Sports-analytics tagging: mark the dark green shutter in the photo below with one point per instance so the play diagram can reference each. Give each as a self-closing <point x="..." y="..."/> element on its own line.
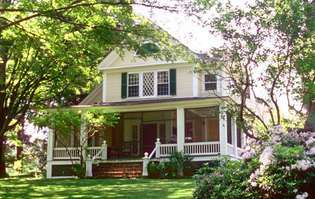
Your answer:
<point x="173" y="81"/>
<point x="123" y="85"/>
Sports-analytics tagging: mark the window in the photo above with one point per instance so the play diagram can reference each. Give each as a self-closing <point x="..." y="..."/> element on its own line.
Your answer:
<point x="163" y="83"/>
<point x="133" y="85"/>
<point x="210" y="82"/>
<point x="148" y="84"/>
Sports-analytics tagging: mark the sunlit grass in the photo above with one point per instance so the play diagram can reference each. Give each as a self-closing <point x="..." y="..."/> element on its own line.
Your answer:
<point x="96" y="188"/>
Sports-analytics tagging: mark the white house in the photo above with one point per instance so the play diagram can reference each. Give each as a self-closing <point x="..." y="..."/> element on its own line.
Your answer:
<point x="163" y="107"/>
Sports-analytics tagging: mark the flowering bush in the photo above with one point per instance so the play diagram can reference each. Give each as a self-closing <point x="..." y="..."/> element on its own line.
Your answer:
<point x="283" y="166"/>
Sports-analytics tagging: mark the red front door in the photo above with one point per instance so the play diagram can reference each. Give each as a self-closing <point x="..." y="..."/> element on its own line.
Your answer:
<point x="149" y="137"/>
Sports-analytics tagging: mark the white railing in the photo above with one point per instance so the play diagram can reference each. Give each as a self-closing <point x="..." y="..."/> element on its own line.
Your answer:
<point x="167" y="149"/>
<point x="202" y="148"/>
<point x="66" y="153"/>
<point x="93" y="151"/>
<point x="96" y="152"/>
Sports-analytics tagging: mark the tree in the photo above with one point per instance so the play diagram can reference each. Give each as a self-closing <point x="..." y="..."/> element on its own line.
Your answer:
<point x="49" y="51"/>
<point x="261" y="57"/>
<point x="66" y="122"/>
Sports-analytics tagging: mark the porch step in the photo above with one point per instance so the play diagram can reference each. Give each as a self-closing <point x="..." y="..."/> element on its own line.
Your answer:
<point x="117" y="170"/>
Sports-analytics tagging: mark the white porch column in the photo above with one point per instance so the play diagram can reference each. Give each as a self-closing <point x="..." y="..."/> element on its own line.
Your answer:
<point x="83" y="138"/>
<point x="234" y="131"/>
<point x="180" y="129"/>
<point x="223" y="130"/>
<point x="104" y="90"/>
<point x="50" y="150"/>
<point x="195" y="84"/>
<point x="157" y="148"/>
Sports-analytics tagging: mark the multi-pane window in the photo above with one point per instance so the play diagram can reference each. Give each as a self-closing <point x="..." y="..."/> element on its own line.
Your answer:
<point x="133" y="85"/>
<point x="148" y="84"/>
<point x="163" y="83"/>
<point x="210" y="82"/>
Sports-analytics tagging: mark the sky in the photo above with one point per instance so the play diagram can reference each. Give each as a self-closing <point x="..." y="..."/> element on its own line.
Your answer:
<point x="186" y="29"/>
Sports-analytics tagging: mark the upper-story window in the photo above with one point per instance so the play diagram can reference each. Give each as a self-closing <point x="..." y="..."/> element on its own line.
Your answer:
<point x="210" y="82"/>
<point x="149" y="84"/>
<point x="163" y="83"/>
<point x="133" y="85"/>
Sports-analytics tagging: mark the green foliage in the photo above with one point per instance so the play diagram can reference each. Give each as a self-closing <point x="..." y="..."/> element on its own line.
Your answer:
<point x="162" y="170"/>
<point x="65" y="121"/>
<point x="229" y="179"/>
<point x="283" y="168"/>
<point x="181" y="161"/>
<point x="173" y="168"/>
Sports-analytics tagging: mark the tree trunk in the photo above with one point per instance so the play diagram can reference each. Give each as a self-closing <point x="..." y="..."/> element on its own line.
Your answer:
<point x="2" y="160"/>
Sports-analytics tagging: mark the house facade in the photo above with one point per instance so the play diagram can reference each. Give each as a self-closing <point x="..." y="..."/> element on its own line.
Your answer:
<point x="163" y="107"/>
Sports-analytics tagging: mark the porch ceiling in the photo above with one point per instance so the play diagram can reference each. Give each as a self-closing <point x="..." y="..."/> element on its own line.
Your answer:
<point x="154" y="104"/>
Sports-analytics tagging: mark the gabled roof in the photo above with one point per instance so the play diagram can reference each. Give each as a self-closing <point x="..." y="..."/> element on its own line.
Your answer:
<point x="94" y="97"/>
<point x="129" y="59"/>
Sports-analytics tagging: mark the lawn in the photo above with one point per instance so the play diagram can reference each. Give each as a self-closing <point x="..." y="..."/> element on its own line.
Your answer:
<point x="96" y="188"/>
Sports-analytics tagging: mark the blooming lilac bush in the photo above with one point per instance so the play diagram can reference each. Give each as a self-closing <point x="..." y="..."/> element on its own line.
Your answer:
<point x="282" y="166"/>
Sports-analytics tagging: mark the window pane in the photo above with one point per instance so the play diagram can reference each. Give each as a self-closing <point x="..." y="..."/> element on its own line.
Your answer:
<point x="162" y="77"/>
<point x="163" y="89"/>
<point x="210" y="86"/>
<point x="133" y="91"/>
<point x="133" y="79"/>
<point x="148" y="84"/>
<point x="210" y="78"/>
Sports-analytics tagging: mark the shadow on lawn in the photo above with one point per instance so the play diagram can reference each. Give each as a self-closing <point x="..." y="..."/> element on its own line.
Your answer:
<point x="96" y="188"/>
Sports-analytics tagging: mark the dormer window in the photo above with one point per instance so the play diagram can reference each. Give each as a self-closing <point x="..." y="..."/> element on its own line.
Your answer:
<point x="210" y="82"/>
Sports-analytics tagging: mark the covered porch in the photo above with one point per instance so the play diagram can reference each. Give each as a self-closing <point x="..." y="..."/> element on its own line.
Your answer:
<point x="200" y="132"/>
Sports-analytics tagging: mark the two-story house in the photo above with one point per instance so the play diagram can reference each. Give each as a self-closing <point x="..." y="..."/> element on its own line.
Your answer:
<point x="163" y="106"/>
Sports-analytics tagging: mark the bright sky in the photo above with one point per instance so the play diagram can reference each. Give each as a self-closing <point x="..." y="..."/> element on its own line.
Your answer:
<point x="186" y="29"/>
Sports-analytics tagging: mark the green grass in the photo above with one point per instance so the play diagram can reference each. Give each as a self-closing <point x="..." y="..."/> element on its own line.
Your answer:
<point x="96" y="188"/>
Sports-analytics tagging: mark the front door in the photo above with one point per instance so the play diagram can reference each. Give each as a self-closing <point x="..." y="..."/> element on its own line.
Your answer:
<point x="149" y="137"/>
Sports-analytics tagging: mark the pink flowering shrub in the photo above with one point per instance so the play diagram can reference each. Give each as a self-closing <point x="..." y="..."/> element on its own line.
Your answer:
<point x="287" y="165"/>
<point x="282" y="166"/>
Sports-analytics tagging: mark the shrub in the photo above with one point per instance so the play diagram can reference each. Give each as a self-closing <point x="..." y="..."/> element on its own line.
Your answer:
<point x="281" y="167"/>
<point x="229" y="179"/>
<point x="173" y="168"/>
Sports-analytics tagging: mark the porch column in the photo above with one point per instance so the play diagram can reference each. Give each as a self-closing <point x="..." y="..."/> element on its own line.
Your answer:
<point x="234" y="130"/>
<point x="50" y="150"/>
<point x="83" y="138"/>
<point x="104" y="90"/>
<point x="180" y="129"/>
<point x="195" y="84"/>
<point x="223" y="130"/>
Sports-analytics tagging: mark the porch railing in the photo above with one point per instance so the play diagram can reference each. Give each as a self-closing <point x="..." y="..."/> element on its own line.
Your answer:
<point x="93" y="151"/>
<point x="202" y="148"/>
<point x="167" y="149"/>
<point x="66" y="153"/>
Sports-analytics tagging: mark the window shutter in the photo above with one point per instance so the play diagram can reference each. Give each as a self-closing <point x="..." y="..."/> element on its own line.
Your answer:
<point x="123" y="85"/>
<point x="173" y="81"/>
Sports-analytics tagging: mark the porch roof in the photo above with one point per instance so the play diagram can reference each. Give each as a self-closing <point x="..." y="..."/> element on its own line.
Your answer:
<point x="154" y="104"/>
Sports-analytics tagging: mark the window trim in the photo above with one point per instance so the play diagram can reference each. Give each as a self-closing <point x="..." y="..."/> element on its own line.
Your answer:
<point x="140" y="85"/>
<point x="210" y="82"/>
<point x="133" y="85"/>
<point x="168" y="83"/>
